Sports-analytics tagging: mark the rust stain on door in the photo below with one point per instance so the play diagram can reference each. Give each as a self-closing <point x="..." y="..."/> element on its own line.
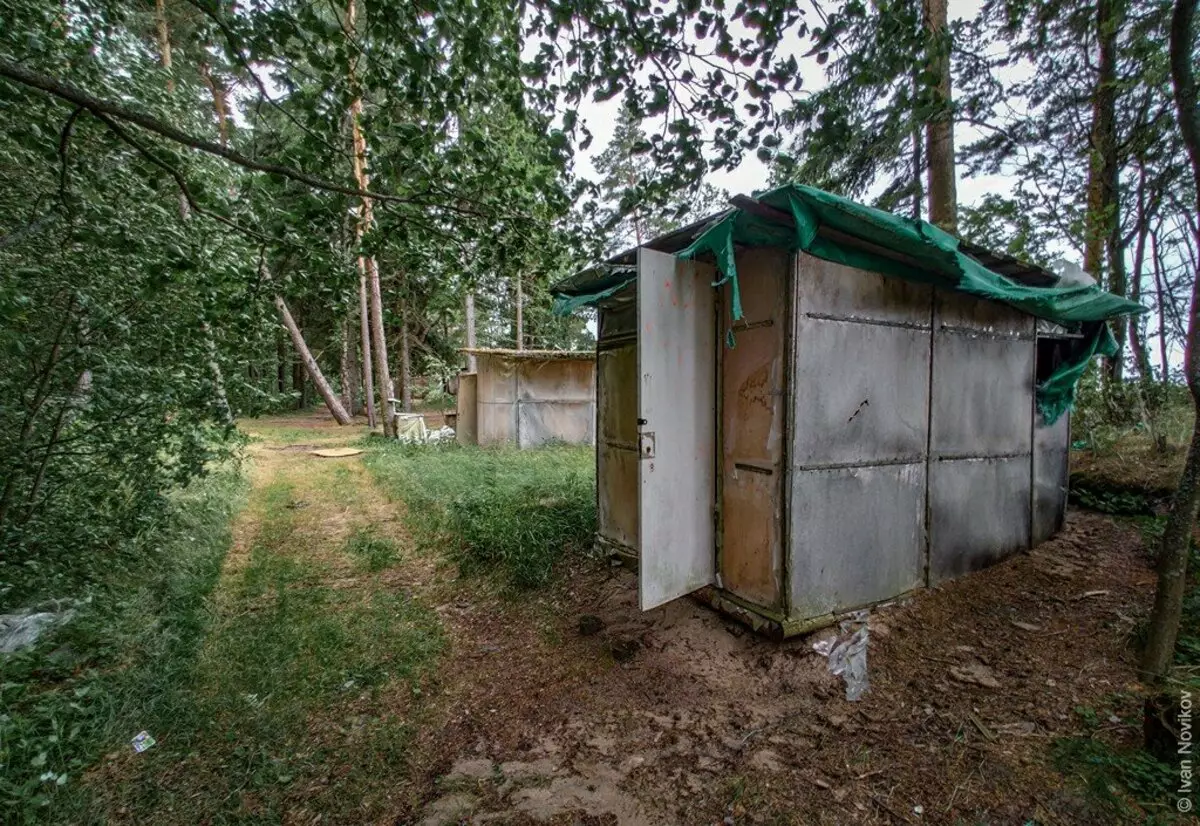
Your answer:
<point x="752" y="392"/>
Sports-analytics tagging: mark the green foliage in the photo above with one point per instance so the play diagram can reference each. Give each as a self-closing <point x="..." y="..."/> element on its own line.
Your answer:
<point x="1123" y="786"/>
<point x="515" y="511"/>
<point x="122" y="664"/>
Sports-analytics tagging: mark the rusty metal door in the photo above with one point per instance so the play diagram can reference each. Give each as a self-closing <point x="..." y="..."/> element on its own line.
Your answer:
<point x="676" y="353"/>
<point x="752" y="388"/>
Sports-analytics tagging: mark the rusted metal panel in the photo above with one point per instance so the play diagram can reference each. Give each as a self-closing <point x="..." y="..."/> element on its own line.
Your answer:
<point x="861" y="393"/>
<point x="676" y="349"/>
<point x="466" y="429"/>
<point x="617" y="494"/>
<point x="829" y="289"/>
<point x="859" y="536"/>
<point x="616" y="450"/>
<point x="982" y="395"/>
<point x="978" y="513"/>
<point x="1051" y="458"/>
<point x="753" y="385"/>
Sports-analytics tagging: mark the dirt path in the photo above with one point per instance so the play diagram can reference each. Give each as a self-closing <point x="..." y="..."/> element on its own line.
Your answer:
<point x="449" y="702"/>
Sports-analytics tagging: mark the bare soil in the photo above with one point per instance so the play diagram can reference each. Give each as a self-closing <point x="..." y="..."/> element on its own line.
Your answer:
<point x="681" y="716"/>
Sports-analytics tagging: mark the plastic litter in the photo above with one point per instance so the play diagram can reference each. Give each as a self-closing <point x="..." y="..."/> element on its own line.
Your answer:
<point x="142" y="741"/>
<point x="21" y="630"/>
<point x="847" y="654"/>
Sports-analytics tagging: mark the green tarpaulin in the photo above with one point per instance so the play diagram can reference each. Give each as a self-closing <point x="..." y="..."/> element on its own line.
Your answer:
<point x="843" y="231"/>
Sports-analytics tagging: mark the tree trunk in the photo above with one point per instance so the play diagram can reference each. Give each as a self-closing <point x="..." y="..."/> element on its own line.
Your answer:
<point x="470" y="314"/>
<point x="214" y="367"/>
<point x="374" y="293"/>
<point x="405" y="362"/>
<point x="280" y="363"/>
<point x="918" y="158"/>
<point x="349" y="372"/>
<point x="1161" y="299"/>
<point x="298" y="383"/>
<point x="164" y="41"/>
<point x="364" y="325"/>
<point x="1102" y="224"/>
<point x="939" y="128"/>
<point x="1137" y="343"/>
<point x="520" y="314"/>
<point x="310" y="364"/>
<point x="1176" y="540"/>
<point x="220" y="99"/>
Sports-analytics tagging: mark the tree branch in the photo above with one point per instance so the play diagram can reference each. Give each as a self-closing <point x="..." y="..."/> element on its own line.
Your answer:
<point x="52" y="86"/>
<point x="180" y="181"/>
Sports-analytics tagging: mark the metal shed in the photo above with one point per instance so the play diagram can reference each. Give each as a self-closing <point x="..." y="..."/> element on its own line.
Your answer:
<point x="527" y="398"/>
<point x="816" y="413"/>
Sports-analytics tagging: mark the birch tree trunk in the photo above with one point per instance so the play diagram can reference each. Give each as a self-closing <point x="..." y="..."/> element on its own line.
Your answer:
<point x="310" y="364"/>
<point x="939" y="129"/>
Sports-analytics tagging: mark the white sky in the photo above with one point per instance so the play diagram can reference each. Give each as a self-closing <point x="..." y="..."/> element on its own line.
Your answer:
<point x="752" y="174"/>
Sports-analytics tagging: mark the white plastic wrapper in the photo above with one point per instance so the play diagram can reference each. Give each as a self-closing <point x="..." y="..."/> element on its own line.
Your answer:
<point x="847" y="654"/>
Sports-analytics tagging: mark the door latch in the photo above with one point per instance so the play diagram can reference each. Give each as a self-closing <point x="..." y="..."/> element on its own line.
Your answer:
<point x="646" y="445"/>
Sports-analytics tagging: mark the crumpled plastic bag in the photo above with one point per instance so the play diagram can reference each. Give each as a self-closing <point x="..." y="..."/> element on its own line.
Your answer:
<point x="847" y="654"/>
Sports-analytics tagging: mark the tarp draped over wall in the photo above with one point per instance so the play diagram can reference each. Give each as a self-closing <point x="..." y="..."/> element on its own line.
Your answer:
<point x="935" y="259"/>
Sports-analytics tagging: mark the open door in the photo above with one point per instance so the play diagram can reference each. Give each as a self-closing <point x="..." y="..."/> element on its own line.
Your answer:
<point x="676" y="354"/>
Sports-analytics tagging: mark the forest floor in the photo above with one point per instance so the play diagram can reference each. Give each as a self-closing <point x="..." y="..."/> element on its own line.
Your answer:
<point x="348" y="677"/>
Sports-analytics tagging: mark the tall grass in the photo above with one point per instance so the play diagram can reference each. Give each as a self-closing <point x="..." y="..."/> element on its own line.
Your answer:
<point x="495" y="509"/>
<point x="121" y="665"/>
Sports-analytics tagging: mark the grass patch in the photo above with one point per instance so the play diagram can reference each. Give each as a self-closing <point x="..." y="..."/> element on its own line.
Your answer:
<point x="373" y="553"/>
<point x="497" y="509"/>
<point x="299" y="704"/>
<point x="121" y="665"/>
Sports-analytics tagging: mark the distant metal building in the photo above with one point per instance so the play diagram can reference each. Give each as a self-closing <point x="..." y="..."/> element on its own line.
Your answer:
<point x="830" y="420"/>
<point x="527" y="398"/>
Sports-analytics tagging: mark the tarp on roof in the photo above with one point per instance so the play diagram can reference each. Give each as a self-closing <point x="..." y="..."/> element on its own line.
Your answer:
<point x="871" y="239"/>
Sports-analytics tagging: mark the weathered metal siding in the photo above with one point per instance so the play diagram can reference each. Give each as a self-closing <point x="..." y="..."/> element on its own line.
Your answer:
<point x="676" y="348"/>
<point x="466" y="429"/>
<point x="752" y="387"/>
<point x="533" y="401"/>
<point x="616" y="449"/>
<point x="981" y="434"/>
<point x="496" y="391"/>
<point x="556" y="401"/>
<point x="1051" y="448"/>
<point x="859" y="437"/>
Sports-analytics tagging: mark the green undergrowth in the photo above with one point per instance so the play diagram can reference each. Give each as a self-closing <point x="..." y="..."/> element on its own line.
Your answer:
<point x="1120" y="783"/>
<point x="300" y="702"/>
<point x="513" y="511"/>
<point x="120" y="665"/>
